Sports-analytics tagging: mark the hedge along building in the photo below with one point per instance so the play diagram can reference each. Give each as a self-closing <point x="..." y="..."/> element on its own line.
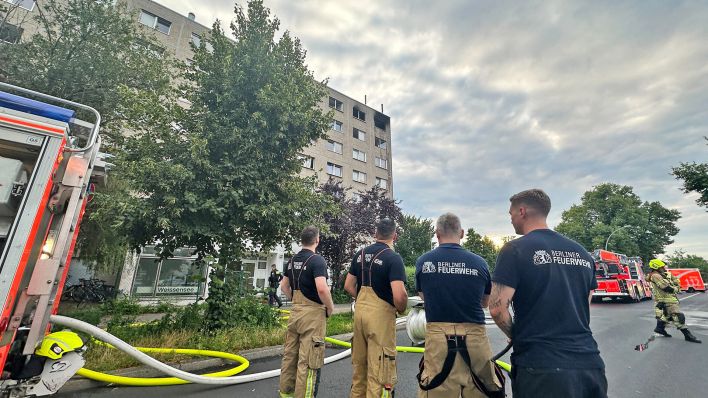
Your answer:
<point x="356" y="151"/>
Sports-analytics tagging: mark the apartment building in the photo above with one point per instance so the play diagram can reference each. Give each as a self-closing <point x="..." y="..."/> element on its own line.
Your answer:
<point x="357" y="152"/>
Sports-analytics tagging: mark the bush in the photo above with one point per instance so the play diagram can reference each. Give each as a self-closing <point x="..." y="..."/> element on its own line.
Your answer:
<point x="410" y="281"/>
<point x="339" y="296"/>
<point x="225" y="309"/>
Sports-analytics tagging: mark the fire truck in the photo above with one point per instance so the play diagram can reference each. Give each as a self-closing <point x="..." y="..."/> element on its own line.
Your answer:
<point x="49" y="165"/>
<point x="619" y="277"/>
<point x="690" y="278"/>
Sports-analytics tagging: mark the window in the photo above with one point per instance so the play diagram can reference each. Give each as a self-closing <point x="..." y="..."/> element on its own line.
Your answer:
<point x="196" y="40"/>
<point x="10" y="33"/>
<point x="337" y="125"/>
<point x="359" y="155"/>
<point x="334" y="146"/>
<point x="359" y="135"/>
<point x="155" y="22"/>
<point x="359" y="114"/>
<point x="334" y="169"/>
<point x="380" y="142"/>
<point x="383" y="163"/>
<point x="308" y="162"/>
<point x="26" y="4"/>
<point x="262" y="265"/>
<point x="260" y="283"/>
<point x="358" y="176"/>
<point x="381" y="183"/>
<point x="336" y="104"/>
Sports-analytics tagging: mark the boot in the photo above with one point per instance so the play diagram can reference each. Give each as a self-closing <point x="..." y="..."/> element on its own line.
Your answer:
<point x="661" y="328"/>
<point x="689" y="336"/>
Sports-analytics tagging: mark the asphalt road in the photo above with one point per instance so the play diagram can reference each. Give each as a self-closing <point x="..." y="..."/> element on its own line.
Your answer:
<point x="670" y="367"/>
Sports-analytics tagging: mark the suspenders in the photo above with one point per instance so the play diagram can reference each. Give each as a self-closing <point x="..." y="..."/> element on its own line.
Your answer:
<point x="296" y="281"/>
<point x="370" y="263"/>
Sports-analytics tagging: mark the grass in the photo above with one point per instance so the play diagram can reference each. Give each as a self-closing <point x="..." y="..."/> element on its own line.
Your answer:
<point x="102" y="358"/>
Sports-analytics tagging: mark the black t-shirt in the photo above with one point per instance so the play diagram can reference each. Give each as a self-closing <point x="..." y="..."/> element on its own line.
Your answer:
<point x="303" y="279"/>
<point x="274" y="279"/>
<point x="453" y="281"/>
<point x="553" y="277"/>
<point x="387" y="267"/>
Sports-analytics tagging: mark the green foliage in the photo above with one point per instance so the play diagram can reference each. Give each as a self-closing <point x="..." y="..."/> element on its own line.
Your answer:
<point x="414" y="238"/>
<point x="223" y="172"/>
<point x="679" y="259"/>
<point x="340" y="323"/>
<point x="410" y="281"/>
<point x="339" y="296"/>
<point x="608" y="207"/>
<point x="92" y="52"/>
<point x="482" y="246"/>
<point x="228" y="307"/>
<point x="695" y="179"/>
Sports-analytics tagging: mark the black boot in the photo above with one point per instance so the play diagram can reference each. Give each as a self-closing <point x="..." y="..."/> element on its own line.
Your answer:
<point x="689" y="336"/>
<point x="661" y="328"/>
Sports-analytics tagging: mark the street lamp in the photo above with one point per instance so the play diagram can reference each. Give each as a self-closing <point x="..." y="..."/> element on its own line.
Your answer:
<point x="612" y="233"/>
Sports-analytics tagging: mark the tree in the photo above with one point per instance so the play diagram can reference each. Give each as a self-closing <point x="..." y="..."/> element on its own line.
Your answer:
<point x="352" y="225"/>
<point x="638" y="228"/>
<point x="414" y="239"/>
<point x="695" y="179"/>
<point x="482" y="246"/>
<point x="221" y="176"/>
<point x="679" y="259"/>
<point x="91" y="52"/>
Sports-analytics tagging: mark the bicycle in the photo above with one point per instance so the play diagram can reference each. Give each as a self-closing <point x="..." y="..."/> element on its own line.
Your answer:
<point x="88" y="290"/>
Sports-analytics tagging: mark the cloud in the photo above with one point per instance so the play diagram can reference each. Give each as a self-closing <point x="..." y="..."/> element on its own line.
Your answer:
<point x="488" y="98"/>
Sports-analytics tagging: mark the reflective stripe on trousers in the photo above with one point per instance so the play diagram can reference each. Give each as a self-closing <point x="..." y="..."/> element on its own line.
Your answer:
<point x="303" y="351"/>
<point x="373" y="346"/>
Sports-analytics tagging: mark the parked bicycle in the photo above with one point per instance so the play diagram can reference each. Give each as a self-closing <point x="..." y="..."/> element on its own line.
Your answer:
<point x="88" y="290"/>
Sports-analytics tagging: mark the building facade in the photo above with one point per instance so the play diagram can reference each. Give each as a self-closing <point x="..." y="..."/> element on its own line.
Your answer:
<point x="356" y="151"/>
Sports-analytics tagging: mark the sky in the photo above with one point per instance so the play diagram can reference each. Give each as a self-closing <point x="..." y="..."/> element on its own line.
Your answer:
<point x="490" y="98"/>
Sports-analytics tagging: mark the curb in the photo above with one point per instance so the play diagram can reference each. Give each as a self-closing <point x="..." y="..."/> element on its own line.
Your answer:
<point x="77" y="383"/>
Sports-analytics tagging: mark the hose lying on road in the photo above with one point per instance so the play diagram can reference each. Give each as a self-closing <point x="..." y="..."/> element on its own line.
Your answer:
<point x="182" y="376"/>
<point x="225" y="377"/>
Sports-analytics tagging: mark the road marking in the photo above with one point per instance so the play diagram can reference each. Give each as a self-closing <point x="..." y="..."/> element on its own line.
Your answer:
<point x="694" y="294"/>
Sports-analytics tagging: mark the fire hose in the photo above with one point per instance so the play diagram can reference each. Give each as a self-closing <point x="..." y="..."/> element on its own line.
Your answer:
<point x="225" y="377"/>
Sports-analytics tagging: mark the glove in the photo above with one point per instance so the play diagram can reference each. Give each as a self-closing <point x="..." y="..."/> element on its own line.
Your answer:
<point x="668" y="289"/>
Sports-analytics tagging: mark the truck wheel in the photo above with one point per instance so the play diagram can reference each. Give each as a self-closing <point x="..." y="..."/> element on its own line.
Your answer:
<point x="691" y="290"/>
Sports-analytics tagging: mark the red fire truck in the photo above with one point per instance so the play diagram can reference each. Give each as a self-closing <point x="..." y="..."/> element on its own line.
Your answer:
<point x="619" y="277"/>
<point x="49" y="162"/>
<point x="690" y="278"/>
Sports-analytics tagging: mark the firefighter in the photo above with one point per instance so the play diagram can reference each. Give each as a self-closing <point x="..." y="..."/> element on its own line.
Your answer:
<point x="455" y="318"/>
<point x="375" y="279"/>
<point x="665" y="287"/>
<point x="305" y="282"/>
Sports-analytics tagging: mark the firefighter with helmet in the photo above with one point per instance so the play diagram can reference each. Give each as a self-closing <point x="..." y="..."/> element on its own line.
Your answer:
<point x="664" y="287"/>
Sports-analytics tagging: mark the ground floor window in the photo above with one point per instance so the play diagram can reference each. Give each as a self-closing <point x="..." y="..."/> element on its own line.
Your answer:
<point x="177" y="276"/>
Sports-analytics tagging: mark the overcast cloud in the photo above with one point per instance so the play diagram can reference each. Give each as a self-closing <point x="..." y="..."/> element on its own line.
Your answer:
<point x="489" y="98"/>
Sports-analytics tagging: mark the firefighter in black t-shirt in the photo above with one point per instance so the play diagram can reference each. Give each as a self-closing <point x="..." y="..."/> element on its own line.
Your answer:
<point x="549" y="279"/>
<point x="305" y="281"/>
<point x="375" y="279"/>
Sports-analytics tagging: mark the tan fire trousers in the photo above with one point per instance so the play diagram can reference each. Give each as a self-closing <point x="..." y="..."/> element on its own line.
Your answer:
<point x="459" y="383"/>
<point x="373" y="346"/>
<point x="303" y="352"/>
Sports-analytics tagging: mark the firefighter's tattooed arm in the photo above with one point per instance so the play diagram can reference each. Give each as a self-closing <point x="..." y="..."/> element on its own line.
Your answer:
<point x="499" y="302"/>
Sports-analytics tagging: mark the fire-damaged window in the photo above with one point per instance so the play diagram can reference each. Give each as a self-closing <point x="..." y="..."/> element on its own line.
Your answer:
<point x="381" y="121"/>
